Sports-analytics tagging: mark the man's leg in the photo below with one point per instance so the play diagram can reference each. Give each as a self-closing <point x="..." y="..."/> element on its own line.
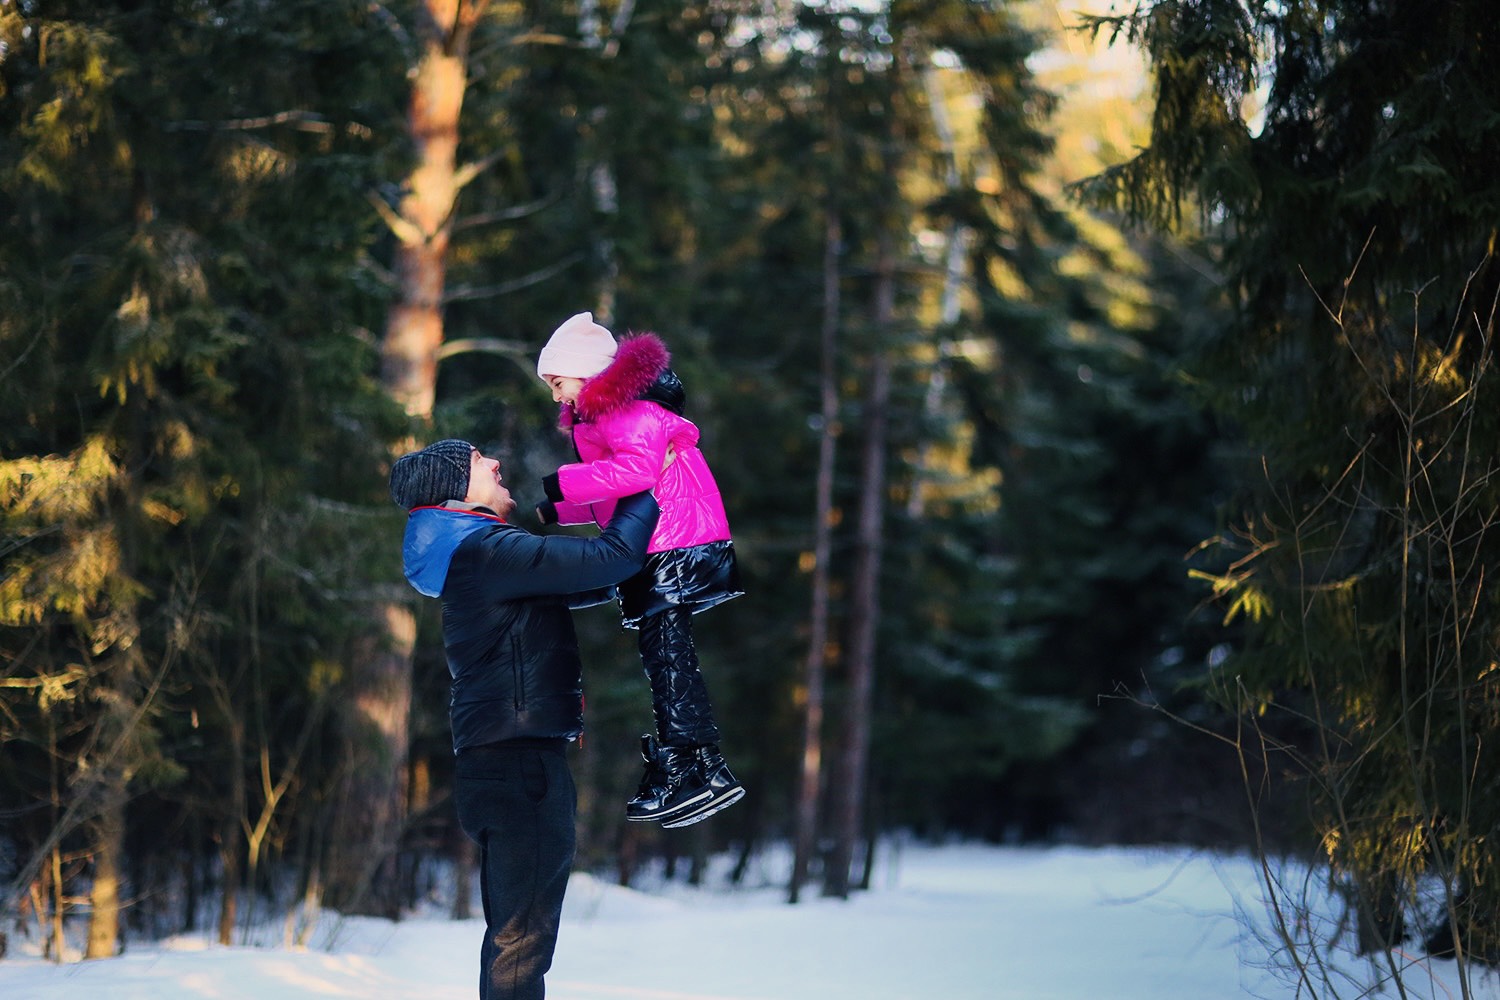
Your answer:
<point x="519" y="805"/>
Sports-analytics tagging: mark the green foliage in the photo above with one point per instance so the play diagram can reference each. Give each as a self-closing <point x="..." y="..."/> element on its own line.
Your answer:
<point x="192" y="437"/>
<point x="1356" y="221"/>
<point x="185" y="376"/>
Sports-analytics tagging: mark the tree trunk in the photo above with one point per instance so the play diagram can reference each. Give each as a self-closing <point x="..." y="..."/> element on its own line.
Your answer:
<point x="233" y="819"/>
<point x="955" y="238"/>
<point x="423" y="225"/>
<point x="104" y="897"/>
<point x="601" y="174"/>
<point x="57" y="943"/>
<point x="864" y="604"/>
<point x="229" y="903"/>
<point x="810" y="783"/>
<point x="377" y="732"/>
<point x="368" y="827"/>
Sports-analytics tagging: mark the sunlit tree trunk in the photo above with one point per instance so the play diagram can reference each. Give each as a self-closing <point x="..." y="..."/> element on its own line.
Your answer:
<point x="366" y="837"/>
<point x="368" y="827"/>
<point x="104" y="896"/>
<point x="57" y="943"/>
<point x="423" y="223"/>
<point x="864" y="606"/>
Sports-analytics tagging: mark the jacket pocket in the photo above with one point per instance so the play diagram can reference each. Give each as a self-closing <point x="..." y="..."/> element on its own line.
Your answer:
<point x="517" y="674"/>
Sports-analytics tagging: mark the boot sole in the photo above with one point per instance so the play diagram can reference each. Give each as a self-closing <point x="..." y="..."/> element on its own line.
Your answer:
<point x="729" y="798"/>
<point x="674" y="811"/>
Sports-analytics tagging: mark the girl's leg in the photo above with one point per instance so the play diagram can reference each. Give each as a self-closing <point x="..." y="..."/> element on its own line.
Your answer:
<point x="686" y="778"/>
<point x="679" y="695"/>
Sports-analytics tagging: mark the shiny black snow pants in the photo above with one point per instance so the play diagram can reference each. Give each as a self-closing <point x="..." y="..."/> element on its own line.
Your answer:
<point x="517" y="801"/>
<point x="679" y="696"/>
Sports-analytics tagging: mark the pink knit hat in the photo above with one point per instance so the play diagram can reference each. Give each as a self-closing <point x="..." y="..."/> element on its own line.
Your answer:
<point x="580" y="348"/>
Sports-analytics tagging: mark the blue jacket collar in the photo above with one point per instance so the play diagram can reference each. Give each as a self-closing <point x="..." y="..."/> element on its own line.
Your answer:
<point x="433" y="534"/>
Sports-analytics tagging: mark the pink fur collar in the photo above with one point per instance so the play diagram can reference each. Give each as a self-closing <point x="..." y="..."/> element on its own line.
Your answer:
<point x="639" y="361"/>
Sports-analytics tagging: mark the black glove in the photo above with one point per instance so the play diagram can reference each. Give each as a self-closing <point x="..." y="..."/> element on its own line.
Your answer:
<point x="552" y="489"/>
<point x="546" y="512"/>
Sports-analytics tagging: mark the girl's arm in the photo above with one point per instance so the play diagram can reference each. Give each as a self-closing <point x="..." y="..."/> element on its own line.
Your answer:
<point x="638" y="444"/>
<point x="551" y="511"/>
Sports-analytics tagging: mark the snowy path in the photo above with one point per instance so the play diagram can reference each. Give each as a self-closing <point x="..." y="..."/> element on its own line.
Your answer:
<point x="958" y="923"/>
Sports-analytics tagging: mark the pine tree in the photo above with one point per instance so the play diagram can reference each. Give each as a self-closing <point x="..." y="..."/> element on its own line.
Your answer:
<point x="1355" y="216"/>
<point x="190" y="376"/>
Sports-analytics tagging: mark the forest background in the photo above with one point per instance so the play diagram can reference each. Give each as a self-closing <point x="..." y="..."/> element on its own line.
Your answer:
<point x="1107" y="464"/>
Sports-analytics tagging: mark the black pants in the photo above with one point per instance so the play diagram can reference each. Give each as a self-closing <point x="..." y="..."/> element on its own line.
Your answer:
<point x="518" y="803"/>
<point x="679" y="696"/>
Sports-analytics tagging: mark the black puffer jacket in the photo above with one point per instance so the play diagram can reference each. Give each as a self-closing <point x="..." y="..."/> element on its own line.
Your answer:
<point x="507" y="623"/>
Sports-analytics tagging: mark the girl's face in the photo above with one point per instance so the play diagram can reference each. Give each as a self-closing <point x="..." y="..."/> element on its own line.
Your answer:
<point x="564" y="388"/>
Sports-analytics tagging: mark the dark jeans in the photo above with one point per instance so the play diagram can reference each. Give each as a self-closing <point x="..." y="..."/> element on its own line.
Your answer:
<point x="516" y="800"/>
<point x="679" y="696"/>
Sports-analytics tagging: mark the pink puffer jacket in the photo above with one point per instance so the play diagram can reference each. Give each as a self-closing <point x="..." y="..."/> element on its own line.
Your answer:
<point x="622" y="441"/>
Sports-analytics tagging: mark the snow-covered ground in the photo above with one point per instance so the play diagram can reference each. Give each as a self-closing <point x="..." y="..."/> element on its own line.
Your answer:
<point x="949" y="923"/>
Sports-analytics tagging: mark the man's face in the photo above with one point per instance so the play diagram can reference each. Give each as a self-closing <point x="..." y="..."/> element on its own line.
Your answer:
<point x="485" y="487"/>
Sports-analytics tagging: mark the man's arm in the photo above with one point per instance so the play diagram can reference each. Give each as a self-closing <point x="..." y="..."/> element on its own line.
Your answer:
<point x="520" y="564"/>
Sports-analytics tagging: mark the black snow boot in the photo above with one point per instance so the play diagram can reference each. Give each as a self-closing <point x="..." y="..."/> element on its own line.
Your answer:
<point x="711" y="772"/>
<point x="659" y="791"/>
<point x="677" y="789"/>
<point x="653" y="779"/>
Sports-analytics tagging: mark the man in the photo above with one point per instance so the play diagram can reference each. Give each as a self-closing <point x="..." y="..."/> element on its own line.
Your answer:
<point x="516" y="697"/>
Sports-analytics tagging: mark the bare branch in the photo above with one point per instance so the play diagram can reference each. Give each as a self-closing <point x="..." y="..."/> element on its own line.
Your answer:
<point x="617" y="27"/>
<point x="504" y="215"/>
<point x="466" y="293"/>
<point x="404" y="230"/>
<point x="541" y="38"/>
<point x="482" y="345"/>
<point x="466" y="173"/>
<point x="303" y="121"/>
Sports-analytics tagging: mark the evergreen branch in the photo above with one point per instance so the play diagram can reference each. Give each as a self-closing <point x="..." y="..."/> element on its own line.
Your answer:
<point x="85" y="786"/>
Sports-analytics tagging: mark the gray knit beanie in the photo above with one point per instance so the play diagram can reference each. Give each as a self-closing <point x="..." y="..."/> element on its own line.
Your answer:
<point x="432" y="476"/>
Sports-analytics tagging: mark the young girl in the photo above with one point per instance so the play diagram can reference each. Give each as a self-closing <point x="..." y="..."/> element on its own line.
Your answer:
<point x="623" y="408"/>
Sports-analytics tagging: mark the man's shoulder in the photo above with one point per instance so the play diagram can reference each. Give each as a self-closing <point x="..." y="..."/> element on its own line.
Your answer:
<point x="491" y="550"/>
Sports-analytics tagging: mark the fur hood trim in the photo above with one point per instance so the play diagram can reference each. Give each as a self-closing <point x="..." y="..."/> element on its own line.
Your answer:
<point x="638" y="363"/>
